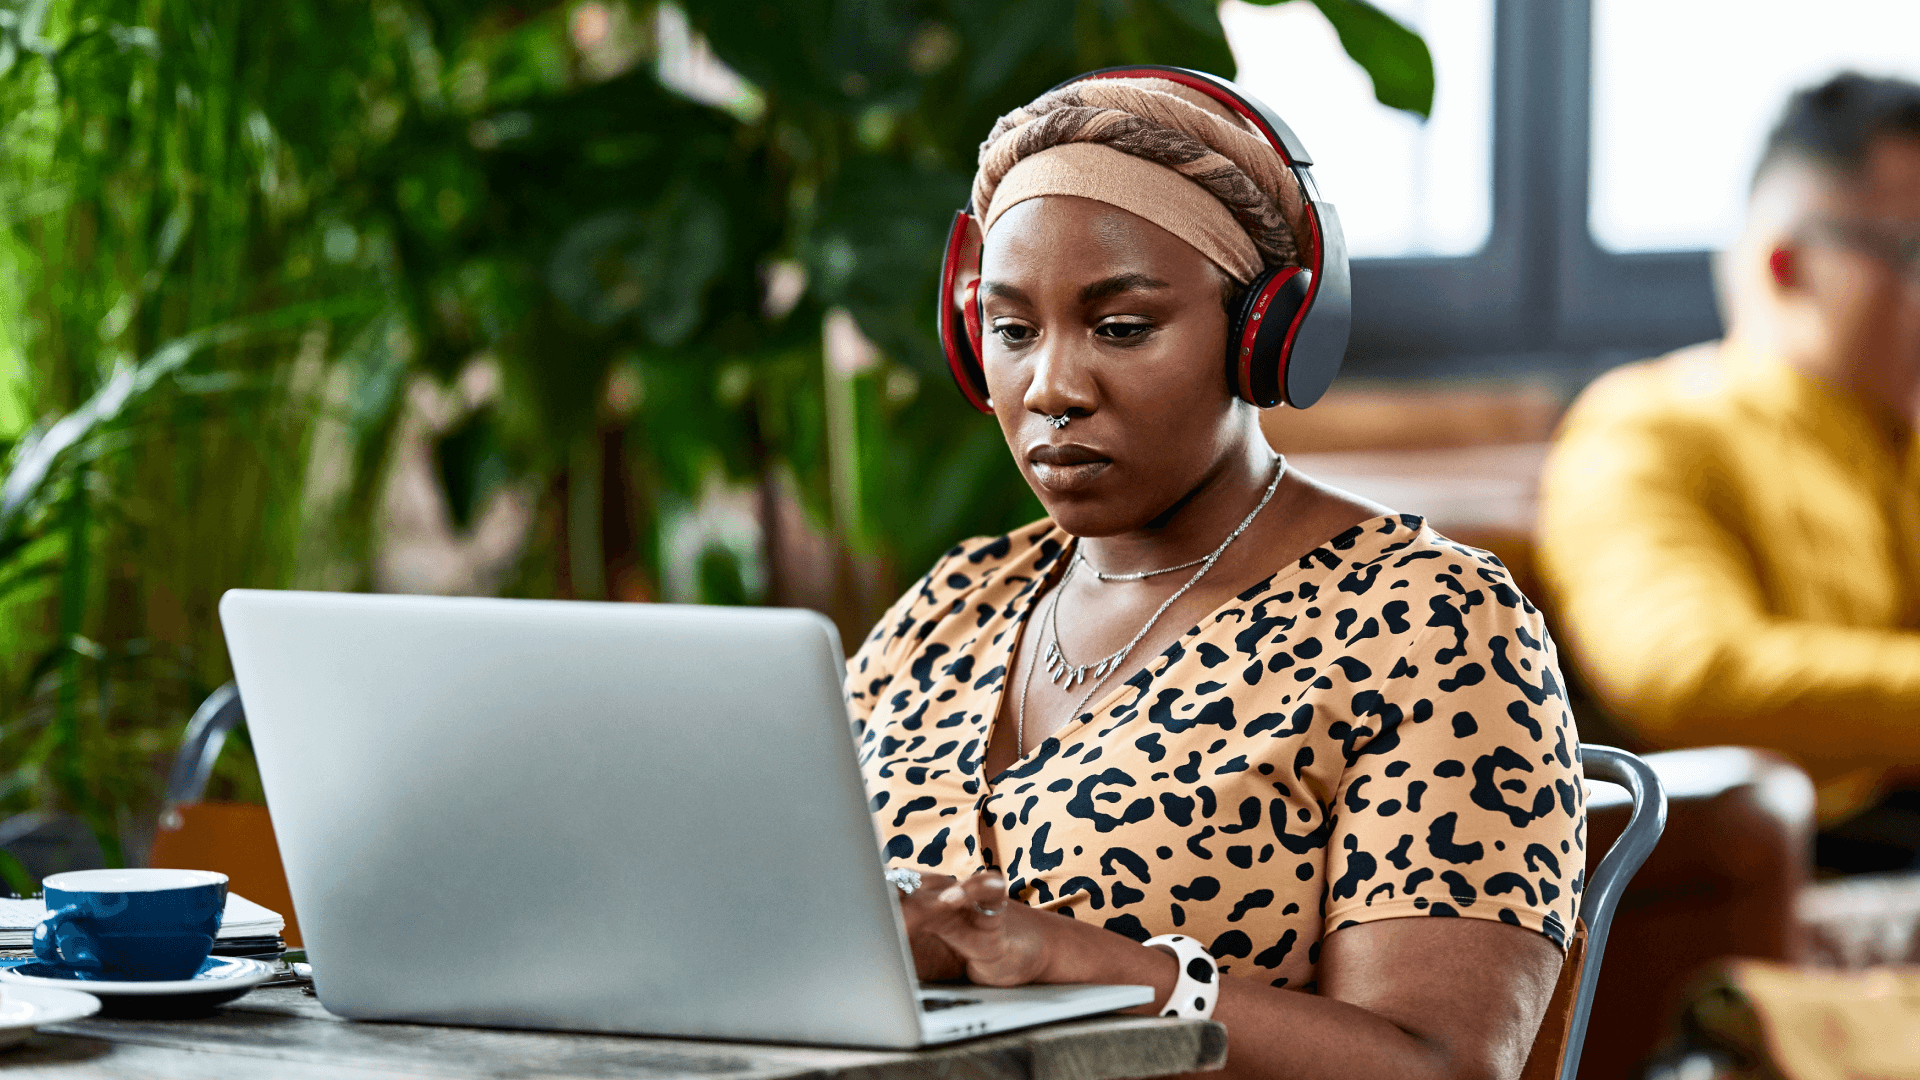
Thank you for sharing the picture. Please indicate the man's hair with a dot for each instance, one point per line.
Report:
(1833, 125)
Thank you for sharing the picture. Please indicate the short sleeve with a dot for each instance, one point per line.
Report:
(870, 670)
(1462, 794)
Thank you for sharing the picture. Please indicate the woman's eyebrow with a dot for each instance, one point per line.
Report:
(1001, 288)
(1099, 290)
(1119, 283)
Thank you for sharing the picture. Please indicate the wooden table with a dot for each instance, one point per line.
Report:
(279, 1032)
(1481, 496)
(1459, 489)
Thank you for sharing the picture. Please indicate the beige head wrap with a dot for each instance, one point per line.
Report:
(1154, 148)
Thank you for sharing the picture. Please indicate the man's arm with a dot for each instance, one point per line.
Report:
(1654, 588)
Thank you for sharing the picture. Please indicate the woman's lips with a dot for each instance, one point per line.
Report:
(1067, 468)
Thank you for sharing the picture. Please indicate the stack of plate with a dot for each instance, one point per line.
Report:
(23, 1008)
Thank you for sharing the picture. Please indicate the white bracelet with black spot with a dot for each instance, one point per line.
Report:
(1199, 985)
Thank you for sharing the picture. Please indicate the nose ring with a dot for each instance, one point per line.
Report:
(1057, 422)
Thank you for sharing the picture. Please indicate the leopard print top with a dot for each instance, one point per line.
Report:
(1376, 732)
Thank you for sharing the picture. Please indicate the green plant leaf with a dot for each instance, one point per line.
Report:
(656, 265)
(470, 464)
(16, 877)
(721, 578)
(868, 250)
(832, 55)
(41, 452)
(14, 578)
(1394, 57)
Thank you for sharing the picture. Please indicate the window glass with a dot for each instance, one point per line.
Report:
(1685, 91)
(1402, 187)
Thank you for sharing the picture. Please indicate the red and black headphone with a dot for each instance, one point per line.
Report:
(1290, 333)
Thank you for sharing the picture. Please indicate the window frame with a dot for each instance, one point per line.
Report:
(1541, 297)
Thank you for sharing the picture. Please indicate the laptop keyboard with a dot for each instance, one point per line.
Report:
(935, 1004)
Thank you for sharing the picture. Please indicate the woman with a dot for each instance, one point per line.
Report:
(1208, 696)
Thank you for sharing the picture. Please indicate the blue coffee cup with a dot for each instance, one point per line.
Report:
(137, 925)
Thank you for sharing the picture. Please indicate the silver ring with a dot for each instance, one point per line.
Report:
(907, 881)
(1058, 422)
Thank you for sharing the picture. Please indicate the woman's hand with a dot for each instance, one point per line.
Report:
(973, 929)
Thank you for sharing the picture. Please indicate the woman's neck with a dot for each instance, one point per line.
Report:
(1194, 525)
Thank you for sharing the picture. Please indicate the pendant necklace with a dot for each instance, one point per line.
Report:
(1067, 674)
(1063, 672)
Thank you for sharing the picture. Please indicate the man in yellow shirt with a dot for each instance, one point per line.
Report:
(1730, 535)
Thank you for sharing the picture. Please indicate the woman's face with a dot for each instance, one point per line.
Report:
(1101, 316)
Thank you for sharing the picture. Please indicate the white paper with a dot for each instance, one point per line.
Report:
(243, 918)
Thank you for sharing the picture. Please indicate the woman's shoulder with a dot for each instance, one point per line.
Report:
(1388, 618)
(976, 562)
(1399, 564)
(1449, 614)
(982, 575)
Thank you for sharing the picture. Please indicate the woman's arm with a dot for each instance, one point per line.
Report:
(1408, 999)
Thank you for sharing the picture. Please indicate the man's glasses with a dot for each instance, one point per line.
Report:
(1896, 243)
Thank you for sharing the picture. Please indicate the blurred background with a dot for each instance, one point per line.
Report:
(602, 300)
(619, 300)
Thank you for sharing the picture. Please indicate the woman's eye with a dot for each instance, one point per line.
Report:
(1122, 331)
(1013, 333)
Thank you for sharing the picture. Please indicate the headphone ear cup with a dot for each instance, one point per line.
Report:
(973, 315)
(1260, 337)
(957, 316)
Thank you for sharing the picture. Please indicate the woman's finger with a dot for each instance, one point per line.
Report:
(922, 905)
(971, 914)
(934, 959)
(986, 894)
(978, 921)
(930, 885)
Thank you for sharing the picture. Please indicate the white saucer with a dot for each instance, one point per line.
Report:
(23, 1008)
(220, 980)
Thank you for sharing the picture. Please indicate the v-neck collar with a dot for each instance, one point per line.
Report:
(1321, 558)
(1046, 580)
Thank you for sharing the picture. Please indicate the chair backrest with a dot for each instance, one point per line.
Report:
(234, 839)
(1602, 892)
(200, 747)
(46, 843)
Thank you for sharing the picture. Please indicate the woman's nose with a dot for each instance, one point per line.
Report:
(1061, 384)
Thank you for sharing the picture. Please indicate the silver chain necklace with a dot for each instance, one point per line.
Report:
(1141, 575)
(1056, 660)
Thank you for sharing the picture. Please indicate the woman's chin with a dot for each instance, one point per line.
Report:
(1089, 517)
(1096, 499)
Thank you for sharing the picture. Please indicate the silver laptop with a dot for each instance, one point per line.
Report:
(629, 818)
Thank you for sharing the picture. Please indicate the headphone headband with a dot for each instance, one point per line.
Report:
(1290, 335)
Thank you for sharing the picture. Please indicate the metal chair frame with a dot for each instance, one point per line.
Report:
(1622, 861)
(200, 746)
